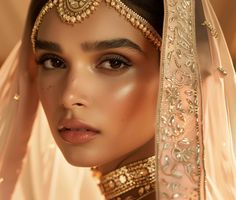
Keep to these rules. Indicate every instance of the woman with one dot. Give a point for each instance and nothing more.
(99, 89)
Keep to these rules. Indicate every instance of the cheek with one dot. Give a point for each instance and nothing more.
(48, 95)
(130, 107)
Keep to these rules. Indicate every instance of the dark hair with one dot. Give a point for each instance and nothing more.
(151, 10)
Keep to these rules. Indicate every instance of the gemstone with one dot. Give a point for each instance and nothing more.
(123, 178)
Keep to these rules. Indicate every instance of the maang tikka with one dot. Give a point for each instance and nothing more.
(76, 11)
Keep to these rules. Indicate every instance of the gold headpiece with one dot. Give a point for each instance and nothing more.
(73, 11)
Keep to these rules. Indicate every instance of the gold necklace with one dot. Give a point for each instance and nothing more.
(138, 177)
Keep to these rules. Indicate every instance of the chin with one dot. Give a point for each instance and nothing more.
(81, 159)
(81, 162)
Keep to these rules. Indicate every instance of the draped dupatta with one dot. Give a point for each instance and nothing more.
(195, 136)
(195, 129)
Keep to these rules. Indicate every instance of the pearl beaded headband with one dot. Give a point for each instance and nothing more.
(73, 11)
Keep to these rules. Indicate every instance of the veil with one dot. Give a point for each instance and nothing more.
(32, 167)
(196, 112)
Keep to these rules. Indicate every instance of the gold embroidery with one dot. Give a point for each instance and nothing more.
(16, 97)
(222, 70)
(213, 31)
(178, 139)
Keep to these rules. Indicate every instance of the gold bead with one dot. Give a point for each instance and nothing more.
(88, 12)
(141, 191)
(141, 26)
(73, 19)
(132, 20)
(117, 7)
(147, 187)
(148, 33)
(81, 3)
(50, 5)
(144, 172)
(16, 97)
(128, 16)
(95, 3)
(144, 29)
(79, 18)
(122, 12)
(83, 15)
(111, 184)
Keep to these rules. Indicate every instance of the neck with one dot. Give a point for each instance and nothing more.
(135, 172)
(145, 151)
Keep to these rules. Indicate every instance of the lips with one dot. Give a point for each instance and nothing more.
(76, 132)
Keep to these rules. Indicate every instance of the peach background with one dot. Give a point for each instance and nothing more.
(13, 13)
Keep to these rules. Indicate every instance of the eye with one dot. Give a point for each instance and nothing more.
(114, 63)
(49, 61)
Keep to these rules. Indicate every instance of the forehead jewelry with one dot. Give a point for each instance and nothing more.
(76, 11)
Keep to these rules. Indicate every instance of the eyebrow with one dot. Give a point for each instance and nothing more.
(91, 46)
(110, 44)
(46, 45)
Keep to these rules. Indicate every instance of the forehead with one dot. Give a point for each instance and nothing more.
(104, 23)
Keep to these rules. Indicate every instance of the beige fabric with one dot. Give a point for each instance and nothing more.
(45, 173)
(219, 95)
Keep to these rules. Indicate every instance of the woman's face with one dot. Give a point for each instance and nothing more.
(98, 84)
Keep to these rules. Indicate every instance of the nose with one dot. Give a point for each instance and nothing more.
(76, 88)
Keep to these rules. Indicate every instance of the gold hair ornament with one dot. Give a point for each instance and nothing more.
(73, 11)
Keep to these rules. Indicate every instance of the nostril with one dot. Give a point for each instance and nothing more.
(78, 104)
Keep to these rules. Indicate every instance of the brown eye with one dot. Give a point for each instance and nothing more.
(114, 63)
(51, 62)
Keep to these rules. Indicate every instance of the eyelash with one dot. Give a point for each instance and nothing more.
(116, 62)
(42, 60)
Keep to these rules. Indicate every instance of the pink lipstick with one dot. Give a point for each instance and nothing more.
(75, 132)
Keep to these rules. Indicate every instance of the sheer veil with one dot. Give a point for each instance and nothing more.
(32, 167)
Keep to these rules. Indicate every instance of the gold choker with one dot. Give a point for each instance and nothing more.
(138, 177)
(73, 11)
